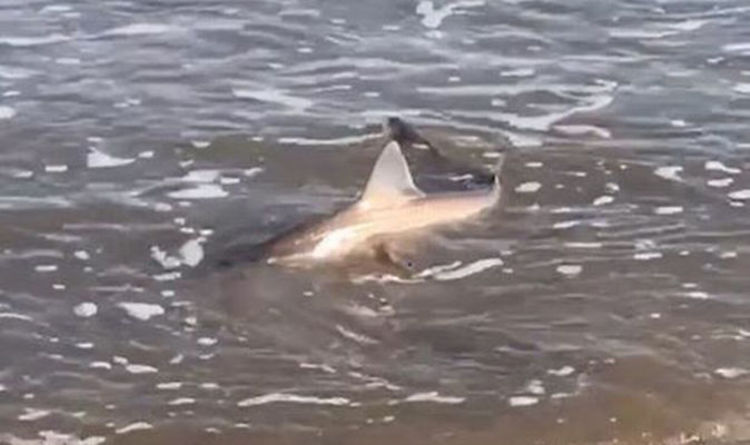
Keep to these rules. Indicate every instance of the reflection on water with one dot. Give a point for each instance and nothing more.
(145, 142)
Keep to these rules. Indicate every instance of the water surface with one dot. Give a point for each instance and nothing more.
(604, 302)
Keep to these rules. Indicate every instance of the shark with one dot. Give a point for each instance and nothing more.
(389, 210)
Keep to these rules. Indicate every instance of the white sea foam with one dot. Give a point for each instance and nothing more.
(603, 200)
(33, 414)
(170, 276)
(202, 176)
(169, 386)
(182, 401)
(465, 271)
(432, 18)
(22, 174)
(207, 341)
(15, 73)
(15, 316)
(434, 397)
(351, 335)
(138, 29)
(528, 187)
(679, 123)
(580, 130)
(98, 159)
(687, 25)
(202, 191)
(164, 259)
(740, 194)
(274, 96)
(518, 72)
(670, 172)
(141, 311)
(737, 47)
(292, 398)
(566, 224)
(136, 426)
(719, 166)
(135, 368)
(731, 372)
(743, 88)
(58, 168)
(32, 41)
(7, 112)
(584, 245)
(720, 183)
(323, 367)
(517, 401)
(668, 210)
(100, 365)
(562, 372)
(639, 33)
(192, 252)
(697, 294)
(645, 256)
(570, 269)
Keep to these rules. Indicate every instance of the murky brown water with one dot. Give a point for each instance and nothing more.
(143, 143)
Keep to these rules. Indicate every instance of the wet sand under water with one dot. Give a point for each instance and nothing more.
(143, 143)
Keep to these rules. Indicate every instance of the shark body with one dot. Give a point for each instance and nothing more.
(390, 207)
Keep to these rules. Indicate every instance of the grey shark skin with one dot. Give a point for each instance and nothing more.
(390, 208)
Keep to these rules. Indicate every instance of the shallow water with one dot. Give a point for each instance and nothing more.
(604, 302)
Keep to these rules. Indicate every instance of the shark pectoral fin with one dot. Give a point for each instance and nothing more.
(390, 182)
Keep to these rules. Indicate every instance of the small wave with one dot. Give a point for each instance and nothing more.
(670, 172)
(33, 41)
(432, 18)
(138, 29)
(136, 426)
(465, 271)
(292, 398)
(274, 96)
(7, 112)
(347, 140)
(434, 397)
(518, 401)
(202, 191)
(98, 159)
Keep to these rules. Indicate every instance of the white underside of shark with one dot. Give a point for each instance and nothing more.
(390, 207)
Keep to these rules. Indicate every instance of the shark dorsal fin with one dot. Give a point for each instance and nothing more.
(390, 182)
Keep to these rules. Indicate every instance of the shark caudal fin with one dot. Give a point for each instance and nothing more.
(390, 182)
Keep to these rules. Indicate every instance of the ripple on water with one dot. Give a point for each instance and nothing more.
(139, 29)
